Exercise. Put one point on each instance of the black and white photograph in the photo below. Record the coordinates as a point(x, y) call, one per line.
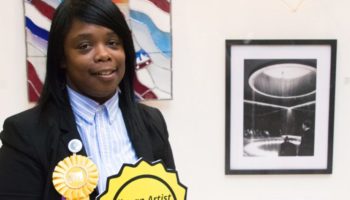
point(279, 106)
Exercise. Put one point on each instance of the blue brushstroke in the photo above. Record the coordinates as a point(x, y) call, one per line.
point(36, 30)
point(142, 55)
point(161, 39)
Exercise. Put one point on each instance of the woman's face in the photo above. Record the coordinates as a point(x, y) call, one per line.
point(94, 60)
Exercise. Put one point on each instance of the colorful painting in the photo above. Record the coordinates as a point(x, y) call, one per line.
point(149, 21)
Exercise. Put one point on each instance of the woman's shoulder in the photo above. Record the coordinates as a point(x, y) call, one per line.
point(153, 119)
point(26, 116)
point(150, 112)
point(31, 118)
point(29, 131)
point(145, 107)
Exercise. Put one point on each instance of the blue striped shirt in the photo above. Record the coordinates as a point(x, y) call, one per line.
point(103, 133)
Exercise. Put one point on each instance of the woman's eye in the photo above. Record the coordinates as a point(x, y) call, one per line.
point(113, 43)
point(83, 46)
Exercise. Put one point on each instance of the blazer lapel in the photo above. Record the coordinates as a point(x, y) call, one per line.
point(63, 130)
point(69, 131)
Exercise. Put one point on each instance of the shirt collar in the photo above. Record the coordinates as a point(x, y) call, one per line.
point(86, 108)
point(112, 107)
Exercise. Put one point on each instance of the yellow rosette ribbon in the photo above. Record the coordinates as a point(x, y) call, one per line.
point(75, 177)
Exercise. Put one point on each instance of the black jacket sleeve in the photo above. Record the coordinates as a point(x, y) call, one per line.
point(159, 136)
point(21, 175)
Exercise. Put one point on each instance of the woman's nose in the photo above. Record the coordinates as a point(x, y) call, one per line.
point(102, 54)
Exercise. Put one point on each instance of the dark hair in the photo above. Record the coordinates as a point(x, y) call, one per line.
point(100, 12)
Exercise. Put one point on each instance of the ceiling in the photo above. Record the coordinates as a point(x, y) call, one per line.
point(279, 84)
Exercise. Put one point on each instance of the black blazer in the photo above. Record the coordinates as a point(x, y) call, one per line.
point(34, 141)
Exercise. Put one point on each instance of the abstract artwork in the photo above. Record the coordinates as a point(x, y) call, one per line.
point(150, 23)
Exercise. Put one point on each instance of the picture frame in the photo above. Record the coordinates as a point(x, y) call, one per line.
point(279, 106)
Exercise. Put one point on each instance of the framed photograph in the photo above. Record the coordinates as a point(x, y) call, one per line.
point(279, 106)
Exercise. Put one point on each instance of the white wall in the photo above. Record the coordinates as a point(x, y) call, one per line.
point(13, 91)
point(196, 116)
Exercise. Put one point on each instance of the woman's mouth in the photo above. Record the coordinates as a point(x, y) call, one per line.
point(105, 75)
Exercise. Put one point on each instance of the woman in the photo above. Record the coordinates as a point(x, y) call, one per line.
point(87, 95)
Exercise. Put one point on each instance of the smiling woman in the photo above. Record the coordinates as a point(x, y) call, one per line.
point(149, 21)
point(88, 97)
point(94, 60)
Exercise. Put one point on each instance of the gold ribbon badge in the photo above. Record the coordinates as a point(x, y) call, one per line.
point(75, 177)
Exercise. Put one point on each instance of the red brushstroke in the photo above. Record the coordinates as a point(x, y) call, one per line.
point(143, 64)
point(120, 1)
point(143, 91)
point(43, 8)
point(34, 84)
point(162, 4)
